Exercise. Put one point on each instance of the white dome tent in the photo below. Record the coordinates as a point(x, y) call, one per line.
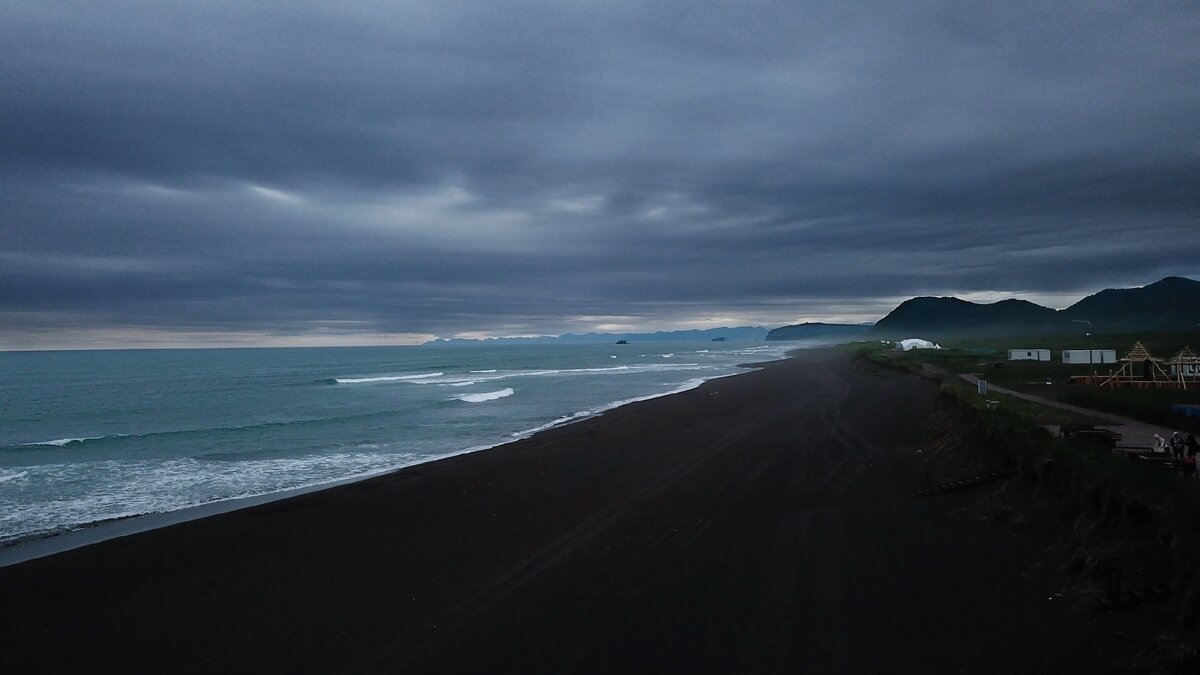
point(917, 343)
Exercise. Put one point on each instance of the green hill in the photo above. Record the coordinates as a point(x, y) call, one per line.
point(1172, 304)
point(950, 317)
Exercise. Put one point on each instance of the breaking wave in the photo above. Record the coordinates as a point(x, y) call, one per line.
point(89, 441)
point(486, 396)
point(384, 378)
point(60, 442)
point(148, 486)
point(592, 412)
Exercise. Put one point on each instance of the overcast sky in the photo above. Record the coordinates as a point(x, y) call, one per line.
point(189, 173)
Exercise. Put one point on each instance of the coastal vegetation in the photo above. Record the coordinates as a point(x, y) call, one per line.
point(987, 358)
point(1132, 528)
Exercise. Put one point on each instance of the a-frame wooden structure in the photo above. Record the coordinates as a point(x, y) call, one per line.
point(1187, 368)
point(1153, 375)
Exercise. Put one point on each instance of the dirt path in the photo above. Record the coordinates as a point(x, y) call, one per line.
point(1133, 432)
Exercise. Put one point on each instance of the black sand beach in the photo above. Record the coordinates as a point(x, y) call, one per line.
point(760, 523)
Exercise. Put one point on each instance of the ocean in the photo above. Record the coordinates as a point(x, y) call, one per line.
point(92, 436)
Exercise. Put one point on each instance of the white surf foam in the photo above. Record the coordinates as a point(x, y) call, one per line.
point(476, 377)
point(486, 396)
point(13, 476)
point(128, 488)
point(59, 442)
point(385, 378)
point(592, 412)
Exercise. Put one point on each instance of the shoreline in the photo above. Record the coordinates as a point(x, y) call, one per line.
point(35, 546)
point(760, 523)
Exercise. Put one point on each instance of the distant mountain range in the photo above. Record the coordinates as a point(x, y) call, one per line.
point(1172, 304)
point(808, 331)
point(738, 334)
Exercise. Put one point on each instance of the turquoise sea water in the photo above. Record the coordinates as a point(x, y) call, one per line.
point(92, 436)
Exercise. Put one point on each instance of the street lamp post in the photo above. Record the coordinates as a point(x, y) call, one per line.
point(1091, 352)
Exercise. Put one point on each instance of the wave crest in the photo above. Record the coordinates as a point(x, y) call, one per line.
point(59, 442)
point(486, 396)
point(384, 378)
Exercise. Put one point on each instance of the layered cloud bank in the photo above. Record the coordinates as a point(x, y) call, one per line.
point(257, 173)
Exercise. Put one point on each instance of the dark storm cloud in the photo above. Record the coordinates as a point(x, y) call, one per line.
point(433, 167)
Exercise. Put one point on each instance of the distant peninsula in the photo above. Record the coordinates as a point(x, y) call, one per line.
point(808, 331)
point(738, 334)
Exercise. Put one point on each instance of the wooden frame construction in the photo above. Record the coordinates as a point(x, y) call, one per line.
point(1153, 375)
point(1187, 368)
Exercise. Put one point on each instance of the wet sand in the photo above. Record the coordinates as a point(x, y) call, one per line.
point(759, 523)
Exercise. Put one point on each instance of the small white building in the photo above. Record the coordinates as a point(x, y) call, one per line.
point(1089, 356)
point(1029, 355)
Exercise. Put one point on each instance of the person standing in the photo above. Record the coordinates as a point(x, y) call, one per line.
point(1177, 445)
